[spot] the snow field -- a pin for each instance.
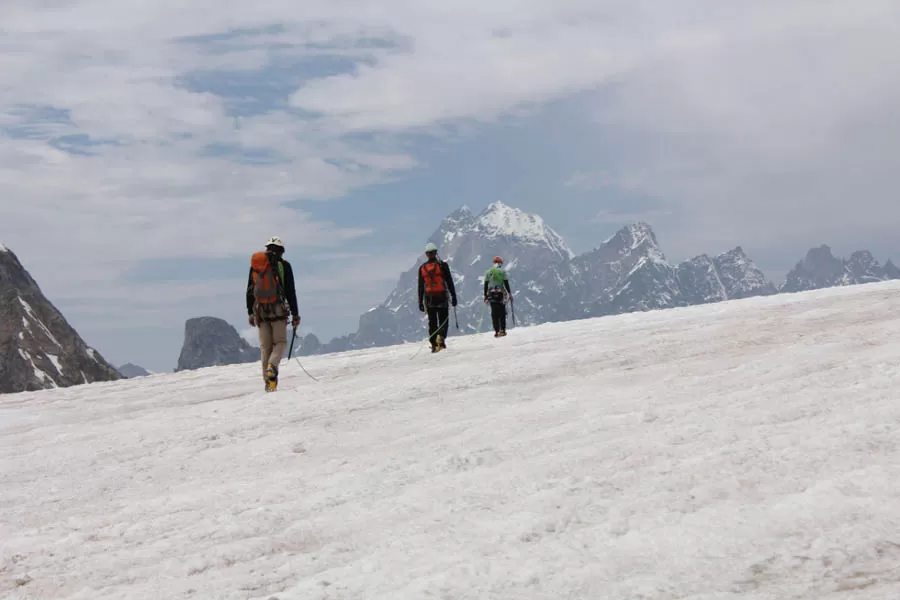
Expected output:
(744, 449)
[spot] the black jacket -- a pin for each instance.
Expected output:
(448, 283)
(288, 284)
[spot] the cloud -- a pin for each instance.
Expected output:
(781, 133)
(588, 181)
(621, 218)
(767, 123)
(113, 152)
(476, 62)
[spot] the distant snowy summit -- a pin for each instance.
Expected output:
(821, 269)
(38, 347)
(627, 272)
(499, 222)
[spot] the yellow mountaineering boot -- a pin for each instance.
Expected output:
(271, 379)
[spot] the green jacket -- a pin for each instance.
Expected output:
(496, 278)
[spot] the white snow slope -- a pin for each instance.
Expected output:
(744, 449)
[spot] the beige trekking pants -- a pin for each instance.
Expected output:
(272, 340)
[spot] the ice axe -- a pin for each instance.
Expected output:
(293, 337)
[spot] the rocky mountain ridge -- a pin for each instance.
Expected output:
(821, 269)
(209, 342)
(39, 349)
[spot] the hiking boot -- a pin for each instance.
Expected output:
(502, 333)
(271, 379)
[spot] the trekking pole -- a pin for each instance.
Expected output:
(447, 296)
(291, 349)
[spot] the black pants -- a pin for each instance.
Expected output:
(498, 316)
(438, 321)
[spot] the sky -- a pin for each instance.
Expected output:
(148, 148)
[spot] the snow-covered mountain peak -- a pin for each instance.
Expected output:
(740, 276)
(501, 220)
(3, 248)
(467, 242)
(862, 267)
(641, 232)
(735, 256)
(460, 214)
(822, 269)
(452, 227)
(636, 238)
(863, 258)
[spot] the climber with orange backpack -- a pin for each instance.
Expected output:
(271, 299)
(435, 285)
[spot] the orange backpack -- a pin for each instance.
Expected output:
(434, 278)
(267, 287)
(266, 282)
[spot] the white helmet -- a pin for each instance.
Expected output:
(430, 247)
(275, 241)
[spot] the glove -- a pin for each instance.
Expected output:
(252, 320)
(421, 308)
(485, 299)
(453, 302)
(295, 322)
